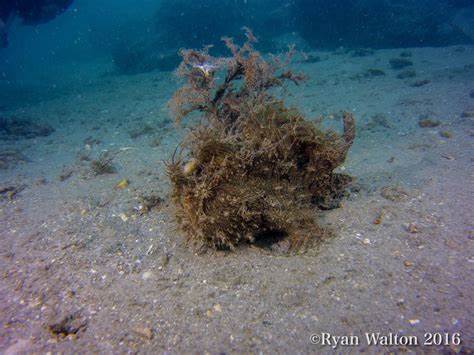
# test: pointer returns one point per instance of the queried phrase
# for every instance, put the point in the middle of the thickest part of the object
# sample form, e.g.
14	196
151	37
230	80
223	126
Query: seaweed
103	164
251	167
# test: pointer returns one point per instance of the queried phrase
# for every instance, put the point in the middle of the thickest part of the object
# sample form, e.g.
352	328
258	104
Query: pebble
413	321
147	275
412	228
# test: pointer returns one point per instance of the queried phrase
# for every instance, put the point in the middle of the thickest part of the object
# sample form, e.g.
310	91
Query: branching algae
252	166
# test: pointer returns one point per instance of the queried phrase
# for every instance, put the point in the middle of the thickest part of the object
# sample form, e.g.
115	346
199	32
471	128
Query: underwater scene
236	176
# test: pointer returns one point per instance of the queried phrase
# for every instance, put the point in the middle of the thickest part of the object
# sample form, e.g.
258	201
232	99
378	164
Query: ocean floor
91	263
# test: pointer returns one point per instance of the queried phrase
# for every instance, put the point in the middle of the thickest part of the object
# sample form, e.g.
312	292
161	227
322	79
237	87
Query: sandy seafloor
75	250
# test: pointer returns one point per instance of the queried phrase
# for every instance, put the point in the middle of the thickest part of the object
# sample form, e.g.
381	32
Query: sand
86	269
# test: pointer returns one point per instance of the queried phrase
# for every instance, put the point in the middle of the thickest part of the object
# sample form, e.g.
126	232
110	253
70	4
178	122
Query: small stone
147	275
407	263
217	308
123	217
366	241
413	321
378	219
467	114
412	228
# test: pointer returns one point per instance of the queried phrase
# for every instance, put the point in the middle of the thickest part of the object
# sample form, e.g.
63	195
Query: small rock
471	94
147	275
413	321
412	228
407	263
366	241
467	114
378	219
217	308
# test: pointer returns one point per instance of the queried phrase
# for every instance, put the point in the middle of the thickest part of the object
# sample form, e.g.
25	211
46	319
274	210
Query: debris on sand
144	332
406	74
310	58
428	123
141	130
254	167
68	326
412	228
11	158
467	114
122	184
148	202
362	52
103	164
394	193
446	134
15	127
9	191
65	173
400	63
377	121
378	219
420	83
371	72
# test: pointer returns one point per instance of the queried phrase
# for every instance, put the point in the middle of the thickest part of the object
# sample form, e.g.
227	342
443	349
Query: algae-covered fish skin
253	166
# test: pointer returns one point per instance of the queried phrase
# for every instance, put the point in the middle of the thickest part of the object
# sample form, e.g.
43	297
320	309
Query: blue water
90	82
134	35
